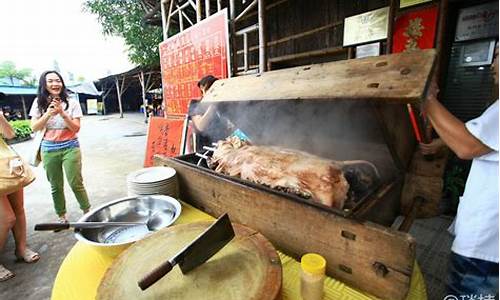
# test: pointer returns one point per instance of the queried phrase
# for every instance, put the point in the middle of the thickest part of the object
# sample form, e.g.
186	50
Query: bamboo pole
207	8
198	11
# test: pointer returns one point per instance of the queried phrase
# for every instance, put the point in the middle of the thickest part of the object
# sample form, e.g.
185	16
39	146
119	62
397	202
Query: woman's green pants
69	159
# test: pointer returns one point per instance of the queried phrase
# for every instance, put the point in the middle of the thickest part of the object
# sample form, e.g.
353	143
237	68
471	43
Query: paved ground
111	147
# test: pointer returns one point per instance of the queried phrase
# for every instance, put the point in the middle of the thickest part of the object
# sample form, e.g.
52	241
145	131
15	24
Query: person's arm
40	123
451	130
5	128
201	122
73	124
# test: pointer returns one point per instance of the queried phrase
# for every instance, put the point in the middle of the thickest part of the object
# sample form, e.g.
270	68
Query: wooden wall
300	26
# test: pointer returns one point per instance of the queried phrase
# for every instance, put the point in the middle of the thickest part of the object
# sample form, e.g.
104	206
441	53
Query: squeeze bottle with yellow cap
312	276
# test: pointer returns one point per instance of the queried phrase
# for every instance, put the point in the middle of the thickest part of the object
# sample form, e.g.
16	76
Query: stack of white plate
154	180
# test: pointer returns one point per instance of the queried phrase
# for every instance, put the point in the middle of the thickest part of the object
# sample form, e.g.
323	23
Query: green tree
8	70
124	18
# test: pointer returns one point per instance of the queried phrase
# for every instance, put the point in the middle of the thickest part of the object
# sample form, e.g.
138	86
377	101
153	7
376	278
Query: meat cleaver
199	251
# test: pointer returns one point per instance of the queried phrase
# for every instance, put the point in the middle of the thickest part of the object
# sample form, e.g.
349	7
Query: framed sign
477	53
190	55
367	50
477	22
415	30
164	137
367	27
407	3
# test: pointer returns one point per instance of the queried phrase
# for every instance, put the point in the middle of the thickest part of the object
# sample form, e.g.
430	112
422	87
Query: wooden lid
246	268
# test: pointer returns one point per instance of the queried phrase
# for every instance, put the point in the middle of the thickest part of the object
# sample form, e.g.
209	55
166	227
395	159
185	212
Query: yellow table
81	271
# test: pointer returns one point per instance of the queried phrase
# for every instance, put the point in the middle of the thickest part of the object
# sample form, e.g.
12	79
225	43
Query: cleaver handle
155	275
51	226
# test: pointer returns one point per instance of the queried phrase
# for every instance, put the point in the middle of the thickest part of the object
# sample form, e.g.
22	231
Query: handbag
14	172
35	155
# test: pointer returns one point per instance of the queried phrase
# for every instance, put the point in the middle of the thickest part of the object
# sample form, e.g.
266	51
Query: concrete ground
111	148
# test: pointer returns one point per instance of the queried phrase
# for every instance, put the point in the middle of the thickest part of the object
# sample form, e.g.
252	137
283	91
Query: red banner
164	137
190	55
415	30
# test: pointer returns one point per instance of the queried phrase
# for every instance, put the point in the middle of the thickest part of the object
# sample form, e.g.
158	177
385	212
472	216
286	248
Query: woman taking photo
59	115
12	216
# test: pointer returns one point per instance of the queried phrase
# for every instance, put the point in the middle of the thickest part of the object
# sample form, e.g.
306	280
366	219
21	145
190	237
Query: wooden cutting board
246	268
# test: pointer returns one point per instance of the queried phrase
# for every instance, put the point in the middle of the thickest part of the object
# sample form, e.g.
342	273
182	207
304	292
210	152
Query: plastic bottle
312	276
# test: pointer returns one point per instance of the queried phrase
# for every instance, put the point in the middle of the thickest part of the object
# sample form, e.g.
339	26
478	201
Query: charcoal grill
359	113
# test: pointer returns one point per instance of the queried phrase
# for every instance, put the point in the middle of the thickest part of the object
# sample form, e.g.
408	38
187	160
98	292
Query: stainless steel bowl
157	211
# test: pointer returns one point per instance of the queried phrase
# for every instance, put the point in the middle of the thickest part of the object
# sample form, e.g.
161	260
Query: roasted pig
287	170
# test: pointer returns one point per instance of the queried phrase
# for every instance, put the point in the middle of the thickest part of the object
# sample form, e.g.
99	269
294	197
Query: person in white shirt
473	266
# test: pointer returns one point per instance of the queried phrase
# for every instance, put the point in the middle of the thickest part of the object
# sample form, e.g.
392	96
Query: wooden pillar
119	94
262	36
393	6
24	108
232	40
144	101
443	14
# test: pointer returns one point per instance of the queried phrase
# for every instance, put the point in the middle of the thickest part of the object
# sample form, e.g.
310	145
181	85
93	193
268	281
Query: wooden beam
119	94
144	101
246	10
397	78
268	7
297	36
25	114
262	36
232	36
393	6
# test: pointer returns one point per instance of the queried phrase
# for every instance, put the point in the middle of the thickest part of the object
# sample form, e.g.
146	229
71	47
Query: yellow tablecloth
81	271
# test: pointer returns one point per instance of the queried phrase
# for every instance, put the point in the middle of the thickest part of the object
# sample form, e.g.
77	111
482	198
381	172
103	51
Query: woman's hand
56	107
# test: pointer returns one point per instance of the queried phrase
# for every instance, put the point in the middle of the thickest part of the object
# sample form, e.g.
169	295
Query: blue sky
35	33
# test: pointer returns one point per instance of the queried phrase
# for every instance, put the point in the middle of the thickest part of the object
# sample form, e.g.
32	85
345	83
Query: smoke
336	129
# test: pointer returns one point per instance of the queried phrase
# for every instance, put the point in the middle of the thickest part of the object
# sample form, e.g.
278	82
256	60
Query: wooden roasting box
347	110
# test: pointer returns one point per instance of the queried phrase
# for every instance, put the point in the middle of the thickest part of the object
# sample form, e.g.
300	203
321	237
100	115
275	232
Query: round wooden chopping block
246	268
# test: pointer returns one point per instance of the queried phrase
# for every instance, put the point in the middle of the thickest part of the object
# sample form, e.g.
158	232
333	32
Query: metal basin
157	211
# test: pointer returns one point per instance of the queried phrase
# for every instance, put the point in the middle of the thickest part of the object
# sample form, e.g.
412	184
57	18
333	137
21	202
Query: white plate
151	175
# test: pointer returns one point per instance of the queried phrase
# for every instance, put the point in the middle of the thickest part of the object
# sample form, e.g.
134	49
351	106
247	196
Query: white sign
372	49
477	22
367	27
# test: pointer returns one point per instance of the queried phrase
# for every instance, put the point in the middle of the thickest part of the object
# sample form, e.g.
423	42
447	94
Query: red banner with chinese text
164	137
190	55
415	30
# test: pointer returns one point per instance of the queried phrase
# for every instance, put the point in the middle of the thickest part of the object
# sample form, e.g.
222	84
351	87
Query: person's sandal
5	274
29	256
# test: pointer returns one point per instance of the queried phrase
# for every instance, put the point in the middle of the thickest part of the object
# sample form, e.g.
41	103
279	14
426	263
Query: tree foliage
8	70
124	18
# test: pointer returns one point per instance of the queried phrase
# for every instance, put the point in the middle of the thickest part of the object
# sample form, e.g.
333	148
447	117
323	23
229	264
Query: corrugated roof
17	90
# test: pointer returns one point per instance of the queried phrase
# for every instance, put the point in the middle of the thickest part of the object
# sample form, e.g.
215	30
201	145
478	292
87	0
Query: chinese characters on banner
415	30
190	55
164	137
